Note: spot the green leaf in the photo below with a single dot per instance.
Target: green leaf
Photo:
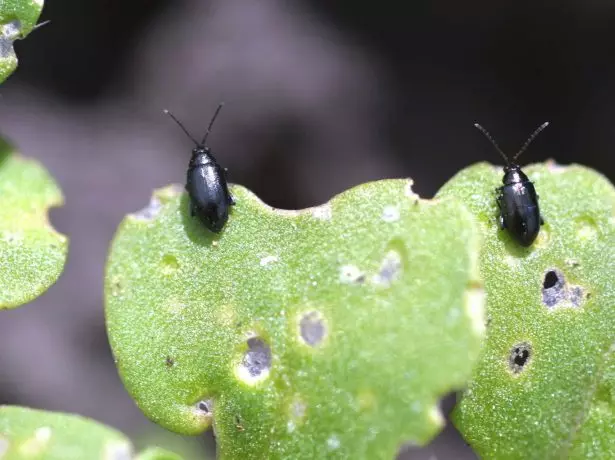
(544, 387)
(32, 253)
(328, 332)
(30, 434)
(17, 18)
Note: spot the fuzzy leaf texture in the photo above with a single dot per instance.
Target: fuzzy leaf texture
(330, 332)
(32, 253)
(543, 388)
(17, 18)
(28, 434)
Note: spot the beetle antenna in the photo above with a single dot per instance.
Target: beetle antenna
(530, 139)
(182, 127)
(492, 140)
(211, 123)
(40, 24)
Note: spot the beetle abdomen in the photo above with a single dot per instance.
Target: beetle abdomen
(520, 212)
(209, 194)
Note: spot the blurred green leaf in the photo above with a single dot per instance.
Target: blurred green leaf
(544, 385)
(17, 18)
(330, 332)
(32, 253)
(28, 434)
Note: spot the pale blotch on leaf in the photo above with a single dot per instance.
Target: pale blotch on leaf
(586, 228)
(312, 328)
(333, 443)
(118, 451)
(474, 303)
(351, 274)
(435, 416)
(9, 33)
(150, 211)
(390, 269)
(556, 291)
(267, 260)
(256, 362)
(322, 212)
(4, 446)
(520, 356)
(390, 214)
(36, 444)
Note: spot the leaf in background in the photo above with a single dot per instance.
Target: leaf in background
(17, 18)
(28, 434)
(32, 253)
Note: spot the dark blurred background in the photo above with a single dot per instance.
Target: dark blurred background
(320, 96)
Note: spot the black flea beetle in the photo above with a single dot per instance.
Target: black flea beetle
(517, 198)
(206, 182)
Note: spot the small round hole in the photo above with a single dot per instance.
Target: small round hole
(519, 357)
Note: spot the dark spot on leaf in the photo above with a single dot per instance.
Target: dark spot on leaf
(238, 423)
(170, 362)
(520, 356)
(206, 406)
(258, 357)
(312, 328)
(576, 295)
(551, 279)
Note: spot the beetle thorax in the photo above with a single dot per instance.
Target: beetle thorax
(201, 156)
(513, 175)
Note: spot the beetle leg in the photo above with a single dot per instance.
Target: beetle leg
(542, 221)
(231, 200)
(192, 210)
(501, 222)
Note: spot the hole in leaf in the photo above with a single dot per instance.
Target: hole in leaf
(551, 279)
(556, 290)
(520, 356)
(205, 406)
(553, 288)
(170, 362)
(256, 361)
(150, 211)
(312, 328)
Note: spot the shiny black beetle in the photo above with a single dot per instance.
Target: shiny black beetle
(517, 198)
(206, 182)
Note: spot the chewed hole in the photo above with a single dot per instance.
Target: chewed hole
(553, 288)
(205, 406)
(520, 355)
(551, 279)
(256, 362)
(557, 291)
(312, 328)
(150, 211)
